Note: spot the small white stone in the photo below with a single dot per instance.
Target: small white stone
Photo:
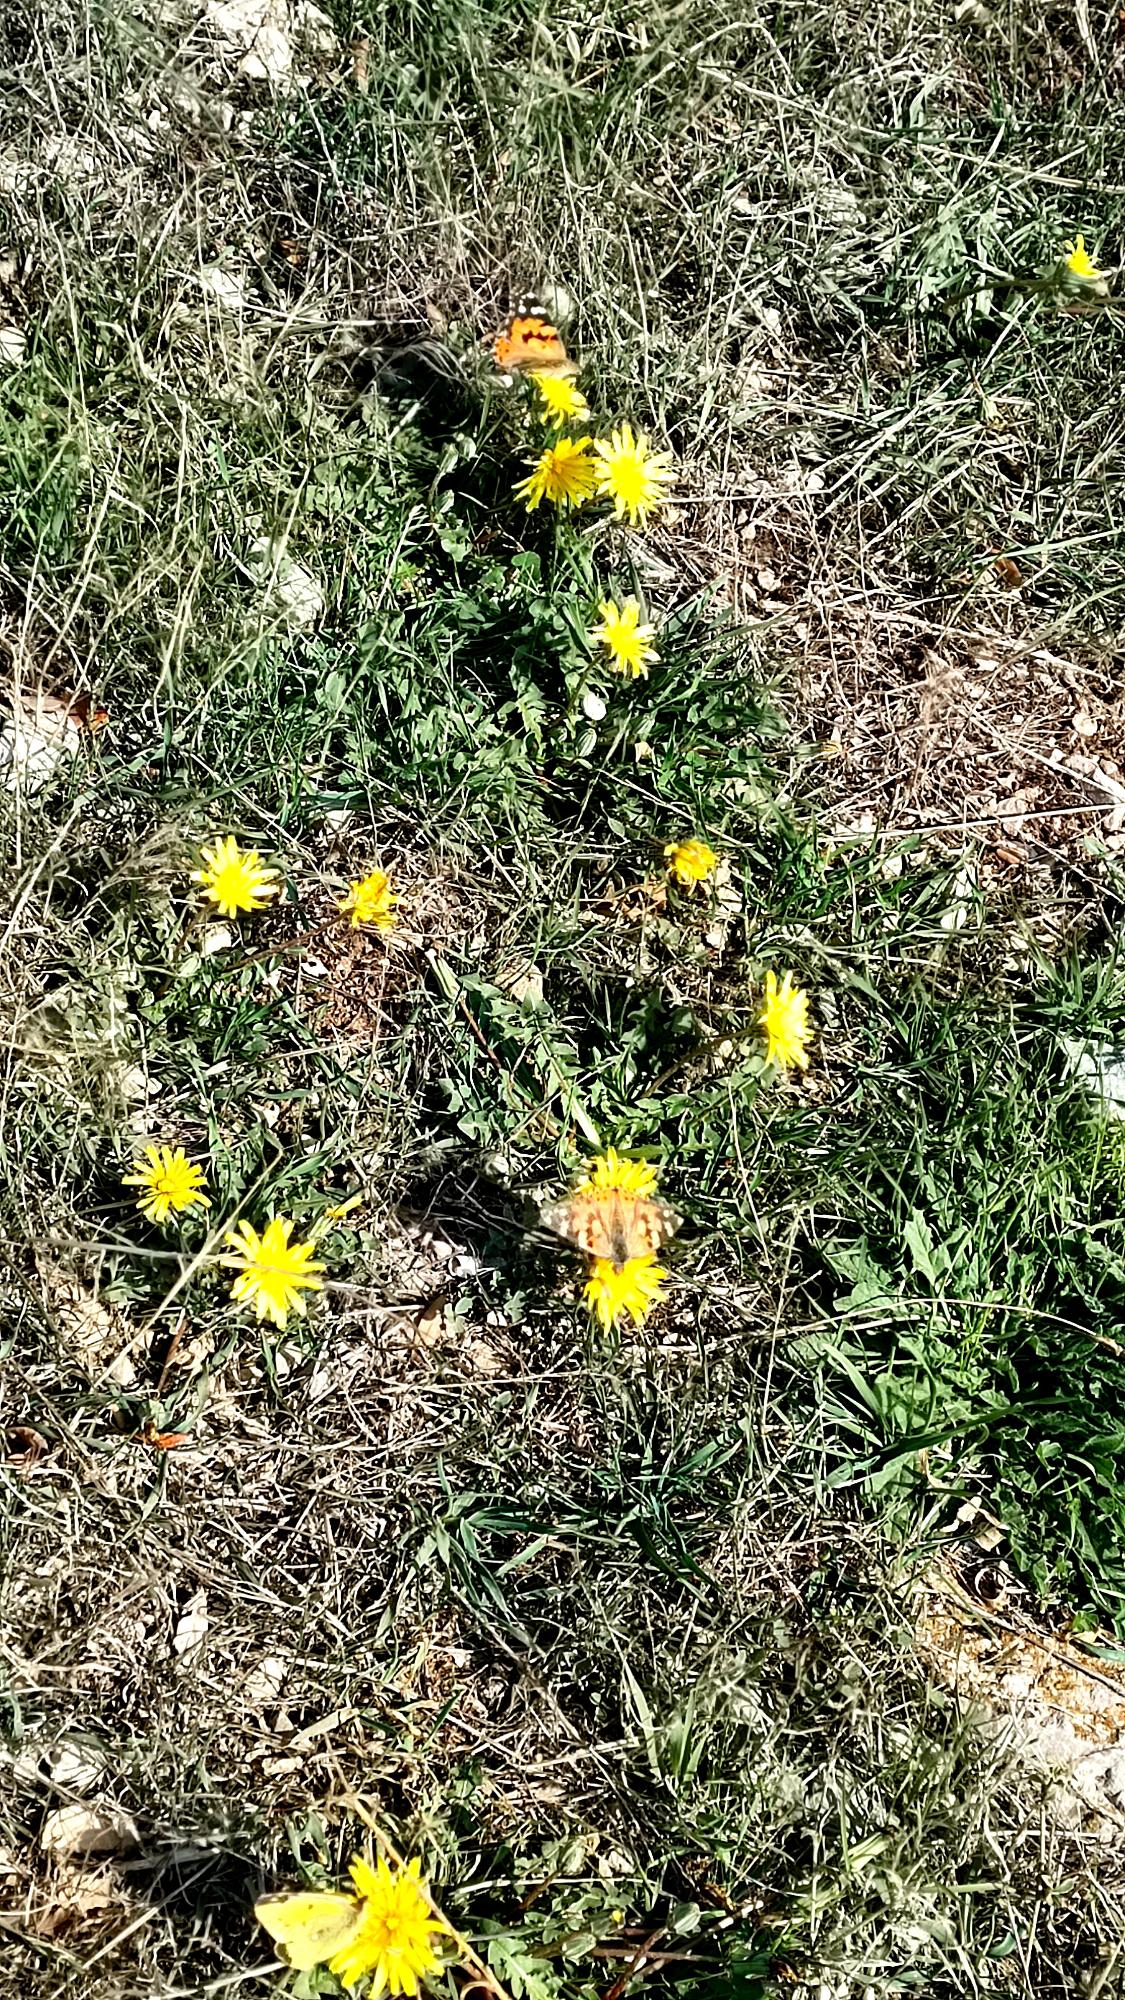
(192, 1626)
(76, 1831)
(265, 1681)
(290, 588)
(13, 346)
(32, 752)
(1102, 1069)
(225, 289)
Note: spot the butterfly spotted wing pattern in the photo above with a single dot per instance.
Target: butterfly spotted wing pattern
(310, 1926)
(614, 1226)
(529, 344)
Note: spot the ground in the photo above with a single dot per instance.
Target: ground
(772, 1646)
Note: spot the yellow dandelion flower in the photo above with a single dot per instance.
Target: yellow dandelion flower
(633, 1290)
(690, 861)
(608, 1173)
(272, 1272)
(233, 880)
(1079, 262)
(563, 474)
(370, 901)
(563, 401)
(395, 1938)
(631, 475)
(171, 1184)
(626, 640)
(785, 1018)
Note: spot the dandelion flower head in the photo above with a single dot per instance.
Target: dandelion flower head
(1079, 262)
(394, 1942)
(233, 880)
(690, 861)
(562, 474)
(785, 1018)
(272, 1271)
(169, 1181)
(631, 475)
(370, 901)
(608, 1173)
(563, 401)
(626, 640)
(631, 1292)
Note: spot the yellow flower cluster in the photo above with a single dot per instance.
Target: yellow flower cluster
(614, 1215)
(621, 468)
(236, 882)
(272, 1273)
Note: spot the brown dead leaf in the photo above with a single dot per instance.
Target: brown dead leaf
(77, 1895)
(429, 1324)
(23, 1447)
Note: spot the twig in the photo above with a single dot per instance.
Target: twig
(635, 1964)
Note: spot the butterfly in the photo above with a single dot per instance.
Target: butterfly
(615, 1226)
(312, 1925)
(159, 1440)
(529, 344)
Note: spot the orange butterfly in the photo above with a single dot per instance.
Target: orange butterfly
(159, 1440)
(530, 345)
(615, 1226)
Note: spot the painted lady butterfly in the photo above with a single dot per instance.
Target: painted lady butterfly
(529, 344)
(612, 1225)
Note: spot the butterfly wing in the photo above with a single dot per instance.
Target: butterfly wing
(581, 1221)
(647, 1225)
(310, 1926)
(530, 344)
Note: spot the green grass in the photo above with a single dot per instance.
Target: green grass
(616, 1633)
